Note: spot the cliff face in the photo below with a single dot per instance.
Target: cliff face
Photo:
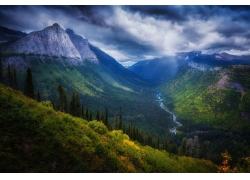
(82, 45)
(51, 41)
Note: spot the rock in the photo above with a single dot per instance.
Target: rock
(82, 46)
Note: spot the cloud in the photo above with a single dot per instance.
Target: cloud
(133, 33)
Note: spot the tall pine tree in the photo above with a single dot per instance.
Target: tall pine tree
(72, 104)
(62, 101)
(38, 98)
(87, 113)
(106, 117)
(29, 87)
(78, 106)
(97, 116)
(90, 116)
(15, 86)
(10, 77)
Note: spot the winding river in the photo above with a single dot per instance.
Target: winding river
(159, 100)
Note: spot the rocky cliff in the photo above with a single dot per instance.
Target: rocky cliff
(52, 40)
(82, 45)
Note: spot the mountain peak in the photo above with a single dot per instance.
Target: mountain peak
(52, 41)
(56, 25)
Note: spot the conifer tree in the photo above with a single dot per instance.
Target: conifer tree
(106, 117)
(120, 119)
(62, 101)
(157, 143)
(166, 144)
(15, 86)
(124, 128)
(97, 116)
(72, 104)
(182, 148)
(87, 113)
(102, 118)
(38, 98)
(82, 112)
(90, 115)
(29, 87)
(1, 72)
(149, 140)
(10, 77)
(78, 106)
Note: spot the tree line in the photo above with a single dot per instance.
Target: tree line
(12, 81)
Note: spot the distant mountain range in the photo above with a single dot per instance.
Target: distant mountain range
(7, 34)
(160, 70)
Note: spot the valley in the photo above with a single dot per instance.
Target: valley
(189, 105)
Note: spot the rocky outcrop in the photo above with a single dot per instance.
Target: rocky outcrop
(82, 45)
(52, 40)
(202, 66)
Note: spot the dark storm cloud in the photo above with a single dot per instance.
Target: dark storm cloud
(131, 33)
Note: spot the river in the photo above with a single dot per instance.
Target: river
(159, 100)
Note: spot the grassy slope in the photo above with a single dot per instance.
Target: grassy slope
(99, 89)
(35, 138)
(197, 96)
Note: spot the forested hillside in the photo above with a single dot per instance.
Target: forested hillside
(36, 138)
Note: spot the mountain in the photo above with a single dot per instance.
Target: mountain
(157, 70)
(7, 34)
(36, 139)
(58, 56)
(213, 103)
(82, 46)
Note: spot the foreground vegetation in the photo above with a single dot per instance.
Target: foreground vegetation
(215, 106)
(36, 138)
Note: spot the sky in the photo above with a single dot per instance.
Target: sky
(131, 33)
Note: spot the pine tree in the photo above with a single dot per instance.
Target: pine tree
(38, 98)
(97, 116)
(157, 143)
(82, 112)
(166, 144)
(78, 106)
(1, 72)
(15, 86)
(120, 119)
(72, 104)
(149, 140)
(10, 77)
(182, 148)
(90, 115)
(87, 113)
(106, 117)
(124, 129)
(62, 101)
(102, 118)
(29, 87)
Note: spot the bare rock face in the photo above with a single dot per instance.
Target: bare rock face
(82, 45)
(53, 40)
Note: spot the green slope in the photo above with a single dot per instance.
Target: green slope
(35, 138)
(218, 98)
(99, 86)
(213, 105)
